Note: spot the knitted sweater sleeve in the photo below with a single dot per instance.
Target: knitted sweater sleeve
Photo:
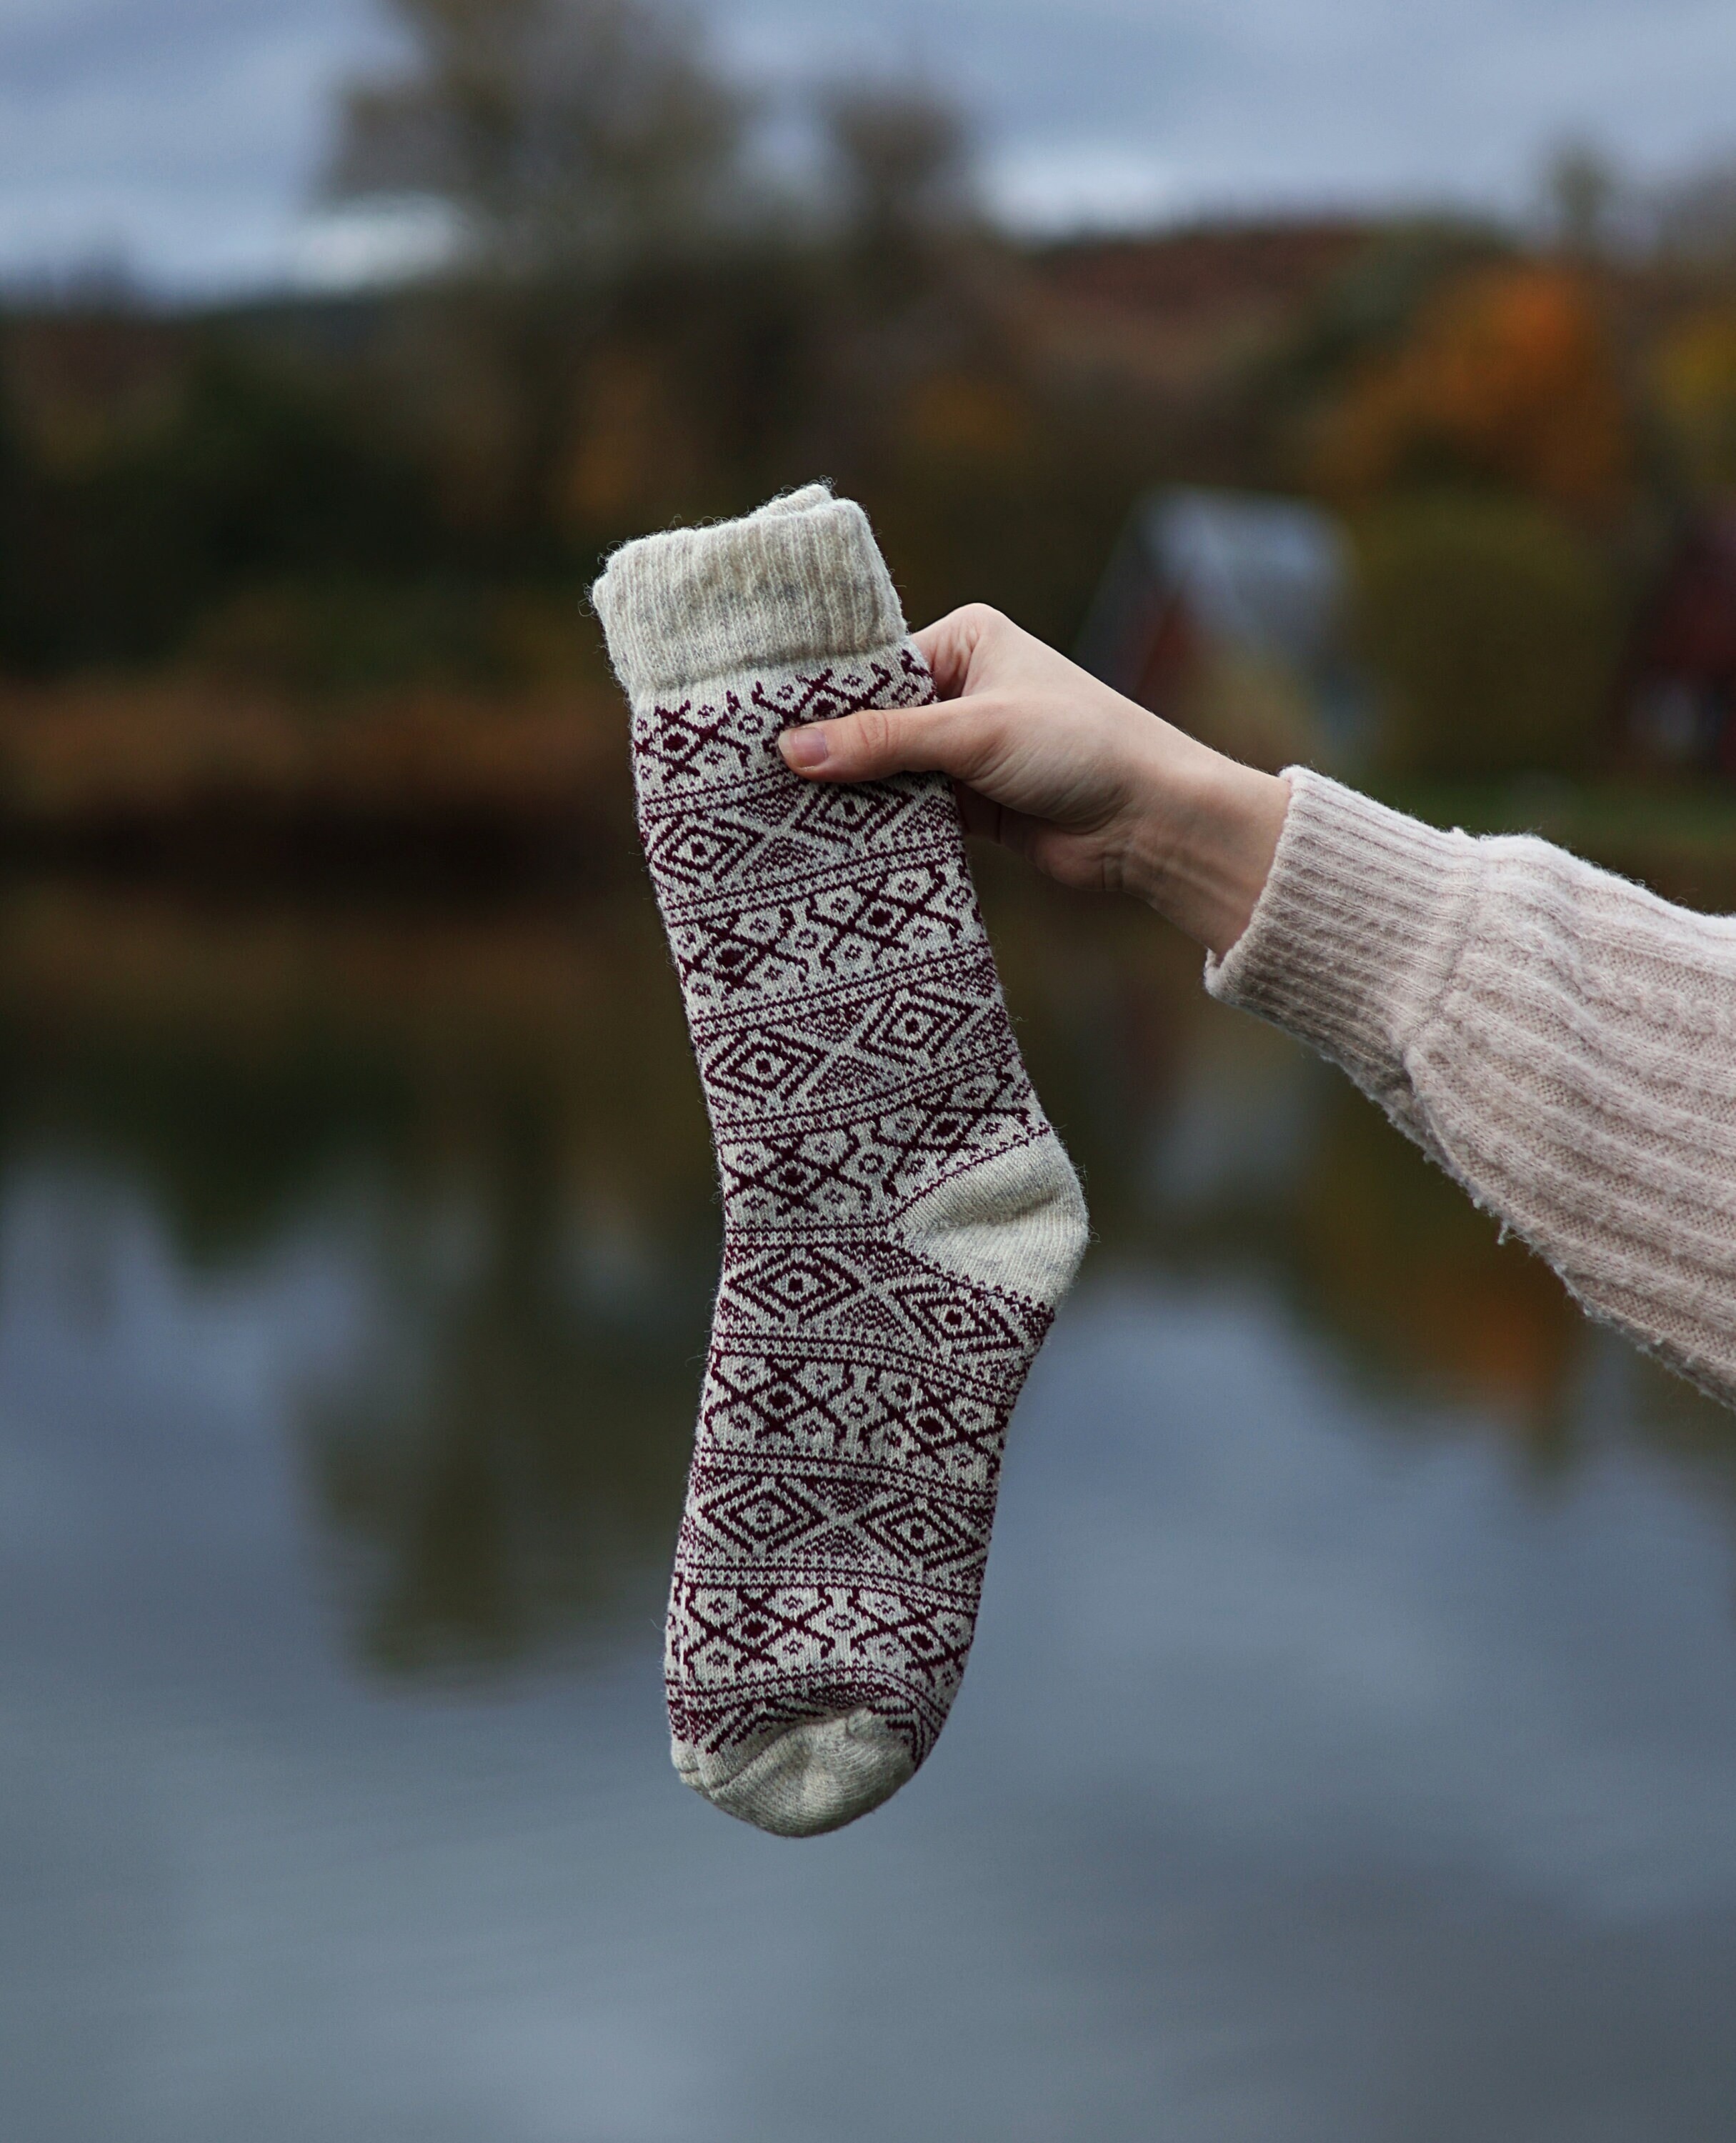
(1561, 1042)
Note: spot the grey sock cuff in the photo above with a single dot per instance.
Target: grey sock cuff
(800, 580)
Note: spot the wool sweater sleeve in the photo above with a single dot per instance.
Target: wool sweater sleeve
(1561, 1042)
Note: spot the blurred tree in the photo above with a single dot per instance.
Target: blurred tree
(1695, 218)
(1581, 187)
(984, 477)
(252, 471)
(1494, 626)
(578, 145)
(562, 134)
(13, 494)
(905, 163)
(638, 456)
(506, 1456)
(1694, 375)
(1508, 378)
(1369, 307)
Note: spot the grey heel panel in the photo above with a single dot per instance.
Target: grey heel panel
(1015, 1221)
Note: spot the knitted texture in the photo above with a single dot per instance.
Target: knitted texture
(899, 1218)
(1561, 1042)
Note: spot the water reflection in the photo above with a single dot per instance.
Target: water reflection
(1351, 1745)
(496, 1116)
(513, 1439)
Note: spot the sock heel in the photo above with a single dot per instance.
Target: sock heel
(1015, 1221)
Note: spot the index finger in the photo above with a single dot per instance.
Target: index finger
(947, 648)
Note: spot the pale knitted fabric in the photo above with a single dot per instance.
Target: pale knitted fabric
(1561, 1042)
(800, 580)
(900, 1219)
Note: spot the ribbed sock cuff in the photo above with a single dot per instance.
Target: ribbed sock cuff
(799, 581)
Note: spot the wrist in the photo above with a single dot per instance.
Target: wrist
(1209, 832)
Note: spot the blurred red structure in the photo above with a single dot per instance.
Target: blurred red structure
(1681, 709)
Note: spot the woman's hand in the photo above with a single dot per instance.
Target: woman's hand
(1089, 786)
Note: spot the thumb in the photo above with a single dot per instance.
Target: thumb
(951, 737)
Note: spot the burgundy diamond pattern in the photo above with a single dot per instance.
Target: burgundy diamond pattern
(807, 1404)
(856, 1054)
(823, 1172)
(847, 1519)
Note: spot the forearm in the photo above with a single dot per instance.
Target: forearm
(1561, 1042)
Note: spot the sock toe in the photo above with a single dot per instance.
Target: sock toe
(815, 1777)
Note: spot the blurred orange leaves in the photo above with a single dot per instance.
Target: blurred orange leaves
(1506, 377)
(961, 418)
(637, 457)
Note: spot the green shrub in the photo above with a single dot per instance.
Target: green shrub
(1493, 628)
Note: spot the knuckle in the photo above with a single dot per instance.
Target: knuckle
(876, 732)
(979, 747)
(974, 717)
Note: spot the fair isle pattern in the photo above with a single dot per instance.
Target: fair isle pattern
(855, 1053)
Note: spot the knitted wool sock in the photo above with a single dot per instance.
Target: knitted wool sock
(900, 1220)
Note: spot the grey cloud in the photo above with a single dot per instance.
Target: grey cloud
(188, 131)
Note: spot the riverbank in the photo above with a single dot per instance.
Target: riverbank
(188, 779)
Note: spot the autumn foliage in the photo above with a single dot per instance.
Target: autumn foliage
(1508, 378)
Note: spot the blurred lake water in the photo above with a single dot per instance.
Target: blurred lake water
(1349, 1749)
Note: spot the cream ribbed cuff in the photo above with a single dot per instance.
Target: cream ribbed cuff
(800, 581)
(1355, 939)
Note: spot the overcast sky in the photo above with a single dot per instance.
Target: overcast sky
(178, 137)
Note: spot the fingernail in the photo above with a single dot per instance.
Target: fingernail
(805, 747)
